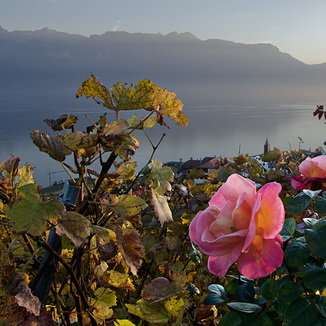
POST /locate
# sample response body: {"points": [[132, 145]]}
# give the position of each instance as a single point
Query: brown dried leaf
{"points": [[23, 294], [131, 247], [63, 122], [55, 147], [11, 165]]}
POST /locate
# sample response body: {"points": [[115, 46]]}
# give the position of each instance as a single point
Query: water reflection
{"points": [[213, 130]]}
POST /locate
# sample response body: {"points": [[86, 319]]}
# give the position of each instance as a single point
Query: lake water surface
{"points": [[212, 131]]}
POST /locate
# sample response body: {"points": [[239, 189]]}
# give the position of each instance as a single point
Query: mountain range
{"points": [[200, 72]]}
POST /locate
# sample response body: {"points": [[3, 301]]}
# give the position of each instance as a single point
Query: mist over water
{"points": [[213, 130]]}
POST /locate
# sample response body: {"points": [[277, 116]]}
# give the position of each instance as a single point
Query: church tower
{"points": [[267, 146]]}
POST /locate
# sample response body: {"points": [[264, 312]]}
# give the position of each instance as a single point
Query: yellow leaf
{"points": [[123, 322], [174, 305], [102, 311], [134, 310], [118, 280]]}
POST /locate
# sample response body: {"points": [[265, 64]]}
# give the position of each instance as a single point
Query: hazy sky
{"points": [[297, 27]]}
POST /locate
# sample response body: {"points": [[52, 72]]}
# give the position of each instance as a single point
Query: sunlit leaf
{"points": [[25, 176], [172, 107], [106, 295], [55, 147], [118, 280], [123, 322], [63, 122], [130, 205], [93, 88], [32, 215]]}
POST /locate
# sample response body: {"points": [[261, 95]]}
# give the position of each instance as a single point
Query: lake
{"points": [[216, 130]]}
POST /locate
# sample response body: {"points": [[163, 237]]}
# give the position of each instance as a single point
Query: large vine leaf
{"points": [[63, 122], [54, 146], [130, 205], [32, 215], [141, 97], [171, 106], [75, 226], [93, 88]]}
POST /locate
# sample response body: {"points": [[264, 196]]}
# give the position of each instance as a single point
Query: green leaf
{"points": [[315, 279], [245, 293], [106, 295], [75, 226], [212, 299], [298, 204], [290, 291], [296, 253], [312, 194], [300, 313], [218, 289], [116, 127], [270, 289], [25, 176], [30, 214], [310, 222], [231, 318], [245, 307], [130, 205], [160, 177], [320, 302], [316, 239], [320, 205], [264, 320], [288, 227]]}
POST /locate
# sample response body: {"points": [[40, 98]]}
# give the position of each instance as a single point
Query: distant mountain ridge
{"points": [[214, 70]]}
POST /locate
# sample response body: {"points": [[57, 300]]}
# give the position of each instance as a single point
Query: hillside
{"points": [[219, 70]]}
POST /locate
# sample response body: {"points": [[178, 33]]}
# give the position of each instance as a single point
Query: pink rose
{"points": [[241, 225], [313, 174]]}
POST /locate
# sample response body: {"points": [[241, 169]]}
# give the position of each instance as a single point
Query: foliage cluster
{"points": [[121, 254]]}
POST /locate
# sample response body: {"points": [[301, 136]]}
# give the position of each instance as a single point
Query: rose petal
{"points": [[270, 217], [220, 265], [232, 188], [262, 258], [314, 167]]}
